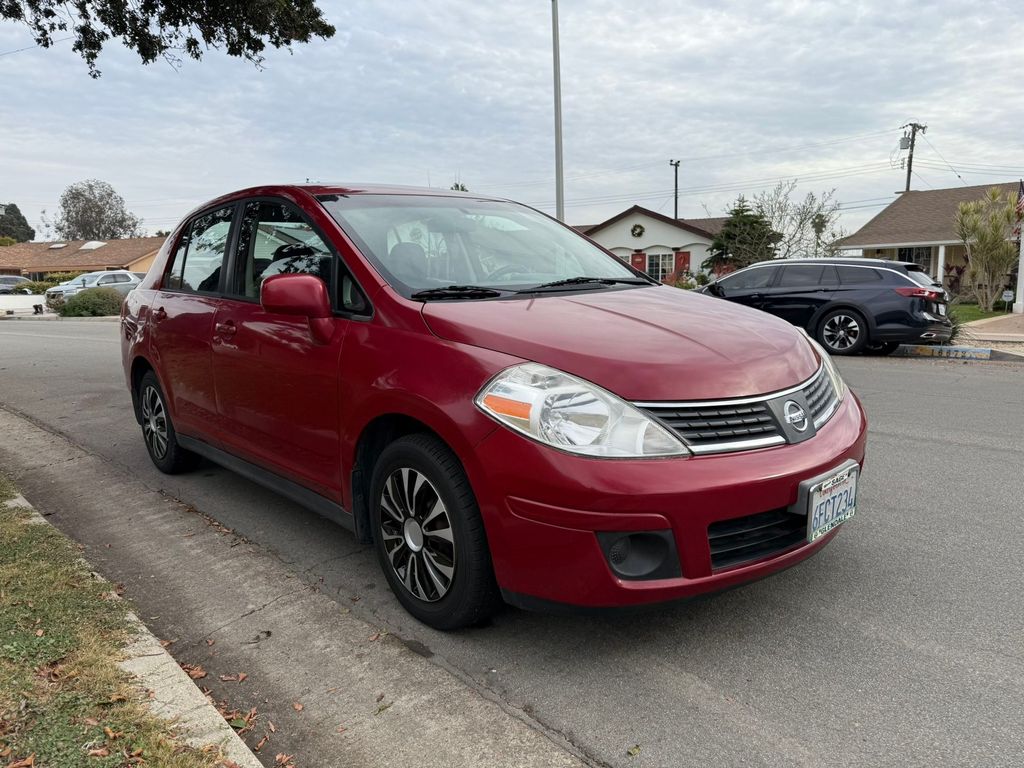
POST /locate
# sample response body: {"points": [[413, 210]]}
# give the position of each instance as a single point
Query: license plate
{"points": [[831, 502], [942, 309]]}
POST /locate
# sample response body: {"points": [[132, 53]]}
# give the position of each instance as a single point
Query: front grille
{"points": [[742, 424], [745, 539]]}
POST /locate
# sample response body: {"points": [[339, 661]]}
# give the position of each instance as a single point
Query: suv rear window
{"points": [[853, 275]]}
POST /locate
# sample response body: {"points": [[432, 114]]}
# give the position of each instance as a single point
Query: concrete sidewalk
{"points": [[1007, 328], [338, 691]]}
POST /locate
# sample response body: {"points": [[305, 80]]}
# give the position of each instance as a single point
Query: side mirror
{"points": [[300, 295], [715, 289]]}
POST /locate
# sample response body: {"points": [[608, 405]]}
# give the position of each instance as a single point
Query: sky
{"points": [[429, 93]]}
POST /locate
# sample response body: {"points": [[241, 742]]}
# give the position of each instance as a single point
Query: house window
{"points": [[660, 265], [920, 256]]}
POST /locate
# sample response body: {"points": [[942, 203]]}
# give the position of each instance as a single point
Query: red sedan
{"points": [[501, 407]]}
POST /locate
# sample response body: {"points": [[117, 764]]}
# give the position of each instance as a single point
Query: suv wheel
{"points": [[429, 536], [843, 332], [158, 431]]}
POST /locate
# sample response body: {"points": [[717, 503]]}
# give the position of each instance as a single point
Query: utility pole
{"points": [[559, 189], [914, 128], [675, 164]]}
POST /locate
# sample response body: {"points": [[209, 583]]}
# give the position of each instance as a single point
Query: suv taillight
{"points": [[919, 293]]}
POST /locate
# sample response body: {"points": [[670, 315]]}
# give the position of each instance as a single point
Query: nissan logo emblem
{"points": [[796, 417]]}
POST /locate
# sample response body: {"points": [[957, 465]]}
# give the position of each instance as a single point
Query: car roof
{"points": [[853, 261]]}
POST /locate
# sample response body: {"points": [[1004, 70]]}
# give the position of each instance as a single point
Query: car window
{"points": [[806, 275], [197, 261], [855, 275], [922, 278], [120, 277], [758, 277], [107, 280]]}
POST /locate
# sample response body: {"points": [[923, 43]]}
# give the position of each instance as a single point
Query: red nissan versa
{"points": [[503, 408]]}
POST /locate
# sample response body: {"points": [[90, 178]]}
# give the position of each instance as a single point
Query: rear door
{"points": [[800, 291], [181, 321], [277, 388]]}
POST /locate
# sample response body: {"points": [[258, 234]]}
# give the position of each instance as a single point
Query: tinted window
{"points": [[758, 277], [200, 254], [107, 280], [806, 275], [854, 275], [922, 278]]}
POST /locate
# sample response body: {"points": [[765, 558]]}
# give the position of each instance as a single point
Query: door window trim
{"points": [[337, 262]]}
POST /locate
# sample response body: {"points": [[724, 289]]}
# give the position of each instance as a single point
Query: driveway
{"points": [[902, 643]]}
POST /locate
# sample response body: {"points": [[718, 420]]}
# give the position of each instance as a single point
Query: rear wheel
{"points": [[843, 332], [158, 430], [429, 536], [881, 348]]}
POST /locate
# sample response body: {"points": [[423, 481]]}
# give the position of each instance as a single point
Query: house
{"points": [[34, 260], [919, 227], [659, 245]]}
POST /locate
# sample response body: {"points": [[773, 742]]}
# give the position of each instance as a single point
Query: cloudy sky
{"points": [[417, 92]]}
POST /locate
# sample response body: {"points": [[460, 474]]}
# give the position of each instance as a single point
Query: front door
{"points": [[800, 291], [278, 388], [181, 322]]}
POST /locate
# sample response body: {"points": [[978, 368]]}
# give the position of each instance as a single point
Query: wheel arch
{"points": [[812, 326]]}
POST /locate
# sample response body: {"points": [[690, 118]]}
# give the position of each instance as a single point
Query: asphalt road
{"points": [[902, 643]]}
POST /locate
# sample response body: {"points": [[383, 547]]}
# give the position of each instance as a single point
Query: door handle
{"points": [[159, 314], [225, 329]]}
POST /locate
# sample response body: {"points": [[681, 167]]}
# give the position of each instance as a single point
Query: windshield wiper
{"points": [[593, 280], [457, 292]]}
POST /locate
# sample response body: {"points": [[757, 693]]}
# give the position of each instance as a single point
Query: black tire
{"points": [[881, 348], [843, 332], [158, 431], [445, 587]]}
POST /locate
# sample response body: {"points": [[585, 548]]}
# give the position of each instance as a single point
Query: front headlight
{"points": [[830, 367], [573, 415]]}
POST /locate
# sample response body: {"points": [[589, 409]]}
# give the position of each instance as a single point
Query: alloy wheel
{"points": [[841, 332], [154, 422], [417, 534]]}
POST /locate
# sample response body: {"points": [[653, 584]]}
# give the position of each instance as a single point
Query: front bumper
{"points": [[543, 511]]}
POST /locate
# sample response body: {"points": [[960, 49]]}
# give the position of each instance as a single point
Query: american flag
{"points": [[1020, 208]]}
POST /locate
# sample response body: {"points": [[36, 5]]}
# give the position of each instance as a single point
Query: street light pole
{"points": [[559, 190], [675, 165]]}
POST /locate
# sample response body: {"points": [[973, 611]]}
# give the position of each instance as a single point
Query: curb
{"points": [[174, 696], [975, 354], [58, 318]]}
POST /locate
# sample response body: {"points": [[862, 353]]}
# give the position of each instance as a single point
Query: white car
{"points": [[120, 280]]}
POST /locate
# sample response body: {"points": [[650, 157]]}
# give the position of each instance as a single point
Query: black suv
{"points": [[849, 305]]}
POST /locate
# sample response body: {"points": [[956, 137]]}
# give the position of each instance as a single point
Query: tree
{"points": [[4, 241], [171, 28], [92, 210], [458, 186], [807, 226], [746, 237], [986, 228], [13, 224]]}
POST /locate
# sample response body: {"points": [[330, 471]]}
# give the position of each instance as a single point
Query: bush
{"points": [[93, 302], [61, 277], [702, 278], [37, 287], [7, 241]]}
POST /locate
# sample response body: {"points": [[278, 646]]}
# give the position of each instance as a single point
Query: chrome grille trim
{"points": [[742, 424]]}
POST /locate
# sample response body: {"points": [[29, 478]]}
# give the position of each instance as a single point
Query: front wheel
{"points": [[843, 332], [158, 430], [429, 536]]}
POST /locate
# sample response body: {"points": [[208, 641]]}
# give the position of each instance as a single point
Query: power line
{"points": [[37, 45], [943, 159]]}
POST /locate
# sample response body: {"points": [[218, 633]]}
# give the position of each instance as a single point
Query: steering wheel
{"points": [[508, 269]]}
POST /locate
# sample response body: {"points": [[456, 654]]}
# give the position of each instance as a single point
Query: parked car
{"points": [[13, 284], [120, 280], [849, 305], [501, 407]]}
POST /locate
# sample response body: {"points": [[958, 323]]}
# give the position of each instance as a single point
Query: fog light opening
{"points": [[636, 555]]}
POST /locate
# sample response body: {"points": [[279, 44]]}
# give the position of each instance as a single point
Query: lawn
{"points": [[64, 702], [967, 313]]}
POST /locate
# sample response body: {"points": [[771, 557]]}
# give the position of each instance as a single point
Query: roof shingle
{"points": [[918, 218], [42, 257]]}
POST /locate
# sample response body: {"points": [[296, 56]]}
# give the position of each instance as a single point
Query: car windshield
{"points": [[420, 243]]}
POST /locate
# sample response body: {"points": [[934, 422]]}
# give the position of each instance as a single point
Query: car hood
{"points": [[657, 343]]}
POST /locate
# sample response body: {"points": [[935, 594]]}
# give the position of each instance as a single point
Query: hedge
{"points": [[93, 302]]}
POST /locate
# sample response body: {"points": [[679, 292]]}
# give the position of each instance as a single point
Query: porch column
{"points": [[1018, 305], [941, 277]]}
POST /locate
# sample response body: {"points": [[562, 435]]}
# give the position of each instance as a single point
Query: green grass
{"points": [[967, 313], [62, 694]]}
